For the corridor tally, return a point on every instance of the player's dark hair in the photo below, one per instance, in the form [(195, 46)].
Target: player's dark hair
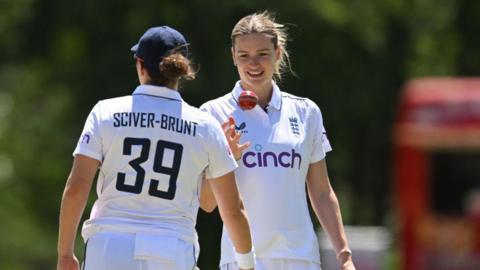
[(172, 68), (265, 23)]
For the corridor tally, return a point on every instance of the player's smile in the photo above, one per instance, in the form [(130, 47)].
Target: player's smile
[(254, 75)]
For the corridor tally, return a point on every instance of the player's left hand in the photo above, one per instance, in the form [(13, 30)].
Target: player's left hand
[(233, 138), (68, 263), (348, 265)]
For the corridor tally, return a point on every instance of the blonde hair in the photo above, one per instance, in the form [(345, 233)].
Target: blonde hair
[(265, 23)]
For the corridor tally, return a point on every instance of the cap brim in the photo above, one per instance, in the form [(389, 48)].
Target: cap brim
[(134, 48)]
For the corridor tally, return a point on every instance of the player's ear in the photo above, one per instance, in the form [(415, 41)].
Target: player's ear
[(138, 66), (141, 65), (233, 56)]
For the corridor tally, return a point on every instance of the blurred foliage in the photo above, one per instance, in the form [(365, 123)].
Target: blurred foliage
[(57, 58)]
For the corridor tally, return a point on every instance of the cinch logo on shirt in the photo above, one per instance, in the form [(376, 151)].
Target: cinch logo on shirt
[(268, 158)]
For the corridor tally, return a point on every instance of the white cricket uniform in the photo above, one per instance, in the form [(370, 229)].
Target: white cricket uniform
[(277, 264), (271, 177), (153, 148)]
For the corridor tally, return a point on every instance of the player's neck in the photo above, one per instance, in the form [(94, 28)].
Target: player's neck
[(171, 85)]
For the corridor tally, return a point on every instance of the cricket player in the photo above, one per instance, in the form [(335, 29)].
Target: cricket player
[(286, 153), (151, 151)]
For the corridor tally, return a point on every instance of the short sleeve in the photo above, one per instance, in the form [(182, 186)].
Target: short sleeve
[(321, 144), (207, 107), (90, 142), (220, 158)]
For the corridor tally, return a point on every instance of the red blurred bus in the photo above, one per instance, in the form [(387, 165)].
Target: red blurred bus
[(437, 174)]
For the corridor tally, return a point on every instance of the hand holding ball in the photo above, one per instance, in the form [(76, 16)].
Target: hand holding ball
[(247, 100)]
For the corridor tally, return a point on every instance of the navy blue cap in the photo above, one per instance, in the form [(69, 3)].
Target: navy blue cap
[(158, 42)]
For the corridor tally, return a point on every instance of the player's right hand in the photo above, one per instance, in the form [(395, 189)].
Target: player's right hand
[(68, 263), (233, 138)]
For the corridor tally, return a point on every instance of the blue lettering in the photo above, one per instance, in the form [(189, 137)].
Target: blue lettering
[(280, 159), (124, 123), (272, 159), (151, 118), (270, 154), (143, 120), (164, 122), (246, 162), (136, 118), (294, 156), (116, 119)]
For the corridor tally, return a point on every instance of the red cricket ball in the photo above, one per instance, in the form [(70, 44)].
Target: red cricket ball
[(247, 100)]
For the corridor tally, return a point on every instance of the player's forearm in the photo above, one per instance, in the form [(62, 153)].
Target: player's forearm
[(238, 229), (230, 207), (327, 209), (73, 204)]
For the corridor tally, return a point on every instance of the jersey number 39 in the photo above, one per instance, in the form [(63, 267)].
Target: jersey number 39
[(157, 167)]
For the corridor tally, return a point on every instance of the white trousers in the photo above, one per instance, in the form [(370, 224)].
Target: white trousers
[(277, 264), (124, 251)]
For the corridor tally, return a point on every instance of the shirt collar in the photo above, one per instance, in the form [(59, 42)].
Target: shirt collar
[(275, 101), (157, 91)]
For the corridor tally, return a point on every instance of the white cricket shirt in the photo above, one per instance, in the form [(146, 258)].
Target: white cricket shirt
[(271, 177), (154, 148)]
